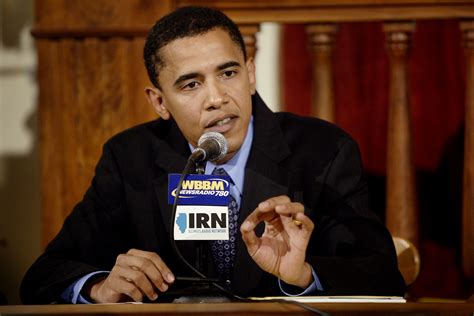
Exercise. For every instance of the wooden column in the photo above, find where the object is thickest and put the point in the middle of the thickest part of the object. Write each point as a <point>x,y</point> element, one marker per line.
<point>321,40</point>
<point>401,213</point>
<point>249,32</point>
<point>468,184</point>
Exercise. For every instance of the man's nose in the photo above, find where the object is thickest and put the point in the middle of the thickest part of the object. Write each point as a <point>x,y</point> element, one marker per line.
<point>216,95</point>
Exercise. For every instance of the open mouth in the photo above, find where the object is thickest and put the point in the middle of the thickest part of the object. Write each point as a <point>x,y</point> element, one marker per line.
<point>224,121</point>
<point>223,125</point>
<point>220,122</point>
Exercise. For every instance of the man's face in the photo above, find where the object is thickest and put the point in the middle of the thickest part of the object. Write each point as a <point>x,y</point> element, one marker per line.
<point>206,86</point>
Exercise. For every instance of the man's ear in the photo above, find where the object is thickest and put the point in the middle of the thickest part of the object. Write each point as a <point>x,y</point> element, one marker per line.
<point>251,73</point>
<point>155,98</point>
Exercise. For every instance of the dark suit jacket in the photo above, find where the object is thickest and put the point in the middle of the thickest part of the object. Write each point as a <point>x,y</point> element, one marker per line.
<point>310,160</point>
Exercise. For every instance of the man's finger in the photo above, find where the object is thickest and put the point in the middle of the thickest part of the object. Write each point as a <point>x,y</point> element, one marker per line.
<point>298,221</point>
<point>129,289</point>
<point>157,261</point>
<point>144,265</point>
<point>265,211</point>
<point>289,209</point>
<point>305,221</point>
<point>270,203</point>
<point>249,237</point>
<point>138,278</point>
<point>257,216</point>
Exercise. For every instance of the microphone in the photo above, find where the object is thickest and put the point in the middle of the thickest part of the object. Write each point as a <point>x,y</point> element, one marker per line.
<point>212,146</point>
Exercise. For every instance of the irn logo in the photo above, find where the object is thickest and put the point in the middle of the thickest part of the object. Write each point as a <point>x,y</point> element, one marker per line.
<point>201,222</point>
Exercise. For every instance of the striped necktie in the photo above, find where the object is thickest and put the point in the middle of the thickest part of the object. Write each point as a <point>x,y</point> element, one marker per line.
<point>223,251</point>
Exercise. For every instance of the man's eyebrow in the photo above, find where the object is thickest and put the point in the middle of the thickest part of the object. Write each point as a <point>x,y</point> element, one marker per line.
<point>185,77</point>
<point>228,65</point>
<point>193,75</point>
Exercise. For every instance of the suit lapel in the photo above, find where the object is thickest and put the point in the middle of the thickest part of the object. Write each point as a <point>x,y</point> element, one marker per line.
<point>264,178</point>
<point>171,154</point>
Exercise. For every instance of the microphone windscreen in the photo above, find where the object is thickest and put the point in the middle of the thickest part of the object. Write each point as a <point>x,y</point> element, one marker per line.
<point>214,144</point>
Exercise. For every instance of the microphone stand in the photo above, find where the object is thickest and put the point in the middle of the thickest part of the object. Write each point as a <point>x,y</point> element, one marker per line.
<point>200,278</point>
<point>200,168</point>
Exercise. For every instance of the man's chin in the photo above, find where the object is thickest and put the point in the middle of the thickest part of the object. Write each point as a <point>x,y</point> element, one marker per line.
<point>226,158</point>
<point>232,149</point>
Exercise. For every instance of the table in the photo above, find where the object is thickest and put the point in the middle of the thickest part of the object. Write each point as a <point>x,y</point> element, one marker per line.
<point>257,308</point>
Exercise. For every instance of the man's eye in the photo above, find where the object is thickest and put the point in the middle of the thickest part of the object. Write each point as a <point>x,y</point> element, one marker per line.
<point>191,85</point>
<point>229,73</point>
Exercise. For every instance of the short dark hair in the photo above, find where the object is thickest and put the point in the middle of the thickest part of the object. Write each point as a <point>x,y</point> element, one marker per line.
<point>184,22</point>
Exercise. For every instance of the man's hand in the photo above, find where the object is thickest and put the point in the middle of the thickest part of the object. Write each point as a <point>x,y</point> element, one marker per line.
<point>135,275</point>
<point>281,250</point>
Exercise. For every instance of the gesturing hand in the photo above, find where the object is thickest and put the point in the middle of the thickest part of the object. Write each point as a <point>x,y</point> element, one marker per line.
<point>281,250</point>
<point>136,274</point>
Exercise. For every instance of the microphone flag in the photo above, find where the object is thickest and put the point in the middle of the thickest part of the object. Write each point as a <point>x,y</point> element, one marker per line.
<point>202,210</point>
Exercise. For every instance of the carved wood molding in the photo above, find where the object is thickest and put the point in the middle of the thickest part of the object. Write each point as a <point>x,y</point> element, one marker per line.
<point>324,11</point>
<point>249,32</point>
<point>83,32</point>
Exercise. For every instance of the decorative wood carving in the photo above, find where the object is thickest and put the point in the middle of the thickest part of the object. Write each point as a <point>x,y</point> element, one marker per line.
<point>249,32</point>
<point>321,38</point>
<point>401,213</point>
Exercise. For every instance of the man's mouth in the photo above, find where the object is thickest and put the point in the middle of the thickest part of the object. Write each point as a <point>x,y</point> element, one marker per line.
<point>220,122</point>
<point>224,121</point>
<point>222,125</point>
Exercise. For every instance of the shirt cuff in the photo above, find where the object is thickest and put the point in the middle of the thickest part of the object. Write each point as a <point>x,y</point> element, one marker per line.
<point>314,287</point>
<point>73,293</point>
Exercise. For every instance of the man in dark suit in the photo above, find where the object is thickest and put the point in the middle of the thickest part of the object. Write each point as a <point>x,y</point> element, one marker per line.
<point>305,227</point>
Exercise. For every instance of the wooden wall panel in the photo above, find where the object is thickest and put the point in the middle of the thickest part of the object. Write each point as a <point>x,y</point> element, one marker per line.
<point>91,87</point>
<point>50,146</point>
